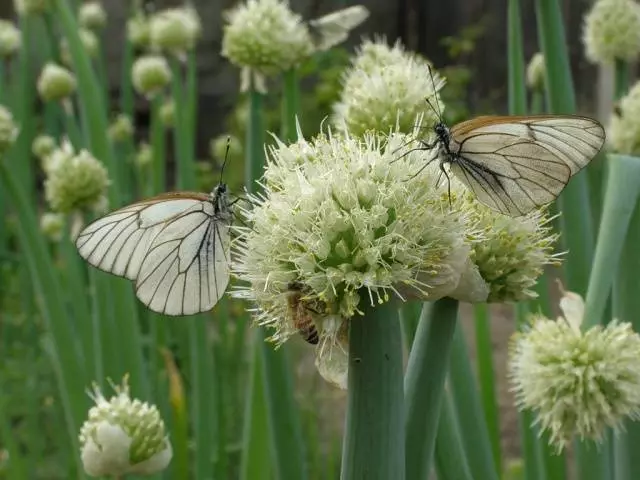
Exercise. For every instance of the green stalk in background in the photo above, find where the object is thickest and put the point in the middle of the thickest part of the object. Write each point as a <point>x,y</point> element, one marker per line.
<point>537,103</point>
<point>256,460</point>
<point>22,104</point>
<point>450,457</point>
<point>201,366</point>
<point>290,105</point>
<point>158,147</point>
<point>256,427</point>
<point>254,156</point>
<point>486,377</point>
<point>203,397</point>
<point>71,379</point>
<point>89,93</point>
<point>578,232</point>
<point>626,305</point>
<point>182,135</point>
<point>373,446</point>
<point>535,452</point>
<point>94,114</point>
<point>191,105</point>
<point>424,384</point>
<point>180,426</point>
<point>516,67</point>
<point>464,393</point>
<point>532,448</point>
<point>282,415</point>
<point>621,78</point>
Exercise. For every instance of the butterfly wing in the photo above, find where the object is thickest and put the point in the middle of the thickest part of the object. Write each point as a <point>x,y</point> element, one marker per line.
<point>516,164</point>
<point>118,242</point>
<point>334,28</point>
<point>186,268</point>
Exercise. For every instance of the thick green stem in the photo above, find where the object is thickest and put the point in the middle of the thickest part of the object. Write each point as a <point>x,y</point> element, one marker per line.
<point>202,396</point>
<point>626,306</point>
<point>464,393</point>
<point>424,384</point>
<point>531,446</point>
<point>623,190</point>
<point>256,460</point>
<point>409,316</point>
<point>486,376</point>
<point>373,447</point>
<point>451,460</point>
<point>284,421</point>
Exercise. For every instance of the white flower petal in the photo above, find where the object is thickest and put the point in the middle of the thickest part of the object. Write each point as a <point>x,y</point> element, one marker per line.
<point>107,451</point>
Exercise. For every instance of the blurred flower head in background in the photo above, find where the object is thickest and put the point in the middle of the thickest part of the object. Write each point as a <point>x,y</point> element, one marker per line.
<point>90,44</point>
<point>139,30</point>
<point>623,134</point>
<point>175,31</point>
<point>8,129</point>
<point>385,89</point>
<point>168,112</point>
<point>536,72</point>
<point>55,83</point>
<point>612,31</point>
<point>31,7</point>
<point>43,146</point>
<point>10,39</point>
<point>144,155</point>
<point>123,436</point>
<point>75,181</point>
<point>150,75</point>
<point>91,15</point>
<point>265,37</point>
<point>52,225</point>
<point>576,382</point>
<point>121,128</point>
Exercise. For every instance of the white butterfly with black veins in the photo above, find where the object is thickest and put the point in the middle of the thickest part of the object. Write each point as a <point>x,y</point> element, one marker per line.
<point>514,164</point>
<point>333,29</point>
<point>175,247</point>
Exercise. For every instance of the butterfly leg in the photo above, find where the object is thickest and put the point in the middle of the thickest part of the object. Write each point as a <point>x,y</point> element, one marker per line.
<point>444,171</point>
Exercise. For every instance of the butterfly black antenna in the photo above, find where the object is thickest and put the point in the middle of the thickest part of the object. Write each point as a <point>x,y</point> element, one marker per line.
<point>226,156</point>
<point>437,110</point>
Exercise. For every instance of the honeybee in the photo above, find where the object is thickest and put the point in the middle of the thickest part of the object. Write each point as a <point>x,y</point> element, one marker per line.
<point>301,314</point>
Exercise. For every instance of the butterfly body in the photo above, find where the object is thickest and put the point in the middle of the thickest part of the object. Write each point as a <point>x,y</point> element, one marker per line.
<point>514,164</point>
<point>175,247</point>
